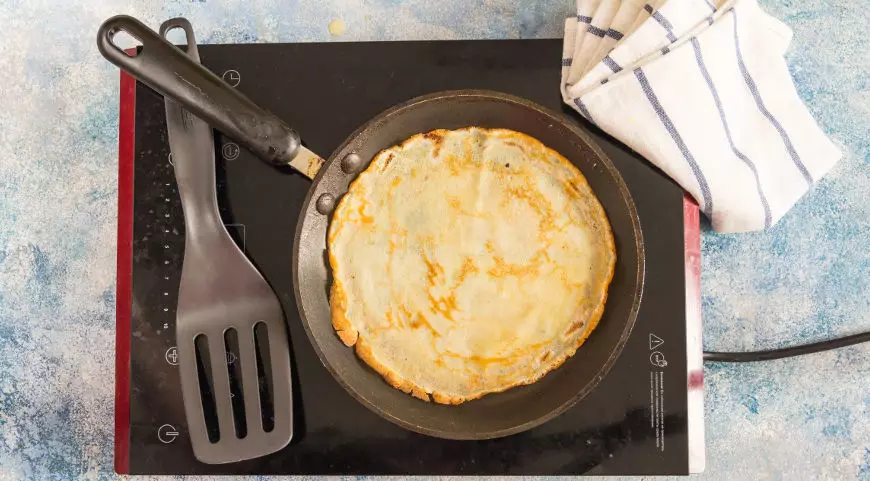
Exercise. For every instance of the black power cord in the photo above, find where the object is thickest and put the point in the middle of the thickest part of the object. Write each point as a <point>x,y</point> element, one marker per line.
<point>755,356</point>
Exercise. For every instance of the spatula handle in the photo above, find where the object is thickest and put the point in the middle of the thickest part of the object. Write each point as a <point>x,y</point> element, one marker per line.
<point>169,71</point>
<point>192,145</point>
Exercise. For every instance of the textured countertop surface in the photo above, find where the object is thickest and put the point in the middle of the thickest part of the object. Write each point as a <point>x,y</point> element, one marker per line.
<point>805,279</point>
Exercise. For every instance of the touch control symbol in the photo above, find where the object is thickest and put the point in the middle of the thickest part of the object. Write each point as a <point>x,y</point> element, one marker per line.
<point>171,356</point>
<point>230,151</point>
<point>167,433</point>
<point>232,77</point>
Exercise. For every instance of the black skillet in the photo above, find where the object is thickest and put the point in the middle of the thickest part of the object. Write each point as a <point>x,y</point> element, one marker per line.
<point>166,69</point>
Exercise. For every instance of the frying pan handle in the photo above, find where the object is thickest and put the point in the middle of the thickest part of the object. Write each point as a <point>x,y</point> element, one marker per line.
<point>169,71</point>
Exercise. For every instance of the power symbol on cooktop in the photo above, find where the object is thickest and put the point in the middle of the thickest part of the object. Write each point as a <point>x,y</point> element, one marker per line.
<point>167,433</point>
<point>232,77</point>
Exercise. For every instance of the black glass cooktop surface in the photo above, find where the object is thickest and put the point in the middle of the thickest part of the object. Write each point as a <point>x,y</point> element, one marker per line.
<point>635,422</point>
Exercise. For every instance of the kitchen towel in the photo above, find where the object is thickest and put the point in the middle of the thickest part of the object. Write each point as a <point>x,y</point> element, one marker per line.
<point>701,89</point>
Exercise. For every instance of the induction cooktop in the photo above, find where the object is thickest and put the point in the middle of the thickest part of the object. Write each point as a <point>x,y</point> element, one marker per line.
<point>644,418</point>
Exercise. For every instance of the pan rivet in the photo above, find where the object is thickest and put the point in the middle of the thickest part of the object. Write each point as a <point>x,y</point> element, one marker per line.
<point>351,163</point>
<point>325,203</point>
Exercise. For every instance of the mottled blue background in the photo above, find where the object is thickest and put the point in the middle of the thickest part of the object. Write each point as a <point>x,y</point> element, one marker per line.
<point>806,278</point>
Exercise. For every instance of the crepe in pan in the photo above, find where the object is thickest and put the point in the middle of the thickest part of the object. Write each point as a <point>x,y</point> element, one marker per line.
<point>467,262</point>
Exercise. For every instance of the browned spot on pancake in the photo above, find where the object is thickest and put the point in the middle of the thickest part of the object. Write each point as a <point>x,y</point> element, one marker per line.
<point>513,144</point>
<point>503,268</point>
<point>434,270</point>
<point>531,195</point>
<point>490,249</point>
<point>388,161</point>
<point>486,361</point>
<point>420,320</point>
<point>361,214</point>
<point>404,315</point>
<point>391,319</point>
<point>469,150</point>
<point>453,202</point>
<point>573,327</point>
<point>456,205</point>
<point>443,305</point>
<point>454,163</point>
<point>468,267</point>
<point>573,187</point>
<point>520,137</point>
<point>435,276</point>
<point>437,138</point>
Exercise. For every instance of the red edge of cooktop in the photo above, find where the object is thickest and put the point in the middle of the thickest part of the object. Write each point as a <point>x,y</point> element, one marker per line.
<point>123,296</point>
<point>692,242</point>
<point>126,152</point>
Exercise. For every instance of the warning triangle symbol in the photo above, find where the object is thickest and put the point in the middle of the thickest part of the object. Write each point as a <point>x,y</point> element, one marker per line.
<point>654,341</point>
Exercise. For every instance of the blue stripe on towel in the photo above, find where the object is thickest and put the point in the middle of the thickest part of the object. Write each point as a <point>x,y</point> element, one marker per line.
<point>598,32</point>
<point>616,35</point>
<point>700,59</point>
<point>583,110</point>
<point>566,62</point>
<point>611,64</point>
<point>584,19</point>
<point>750,83</point>
<point>663,22</point>
<point>684,149</point>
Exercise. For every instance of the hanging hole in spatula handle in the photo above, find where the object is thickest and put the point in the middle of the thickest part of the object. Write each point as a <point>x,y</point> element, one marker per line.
<point>109,48</point>
<point>187,28</point>
<point>171,72</point>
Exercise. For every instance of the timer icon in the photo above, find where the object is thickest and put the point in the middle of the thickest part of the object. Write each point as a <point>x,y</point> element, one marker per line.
<point>232,77</point>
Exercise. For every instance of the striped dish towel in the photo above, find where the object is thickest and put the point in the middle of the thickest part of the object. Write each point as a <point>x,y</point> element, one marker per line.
<point>701,89</point>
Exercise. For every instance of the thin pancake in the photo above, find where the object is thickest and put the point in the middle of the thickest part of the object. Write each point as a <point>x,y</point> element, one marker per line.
<point>468,262</point>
